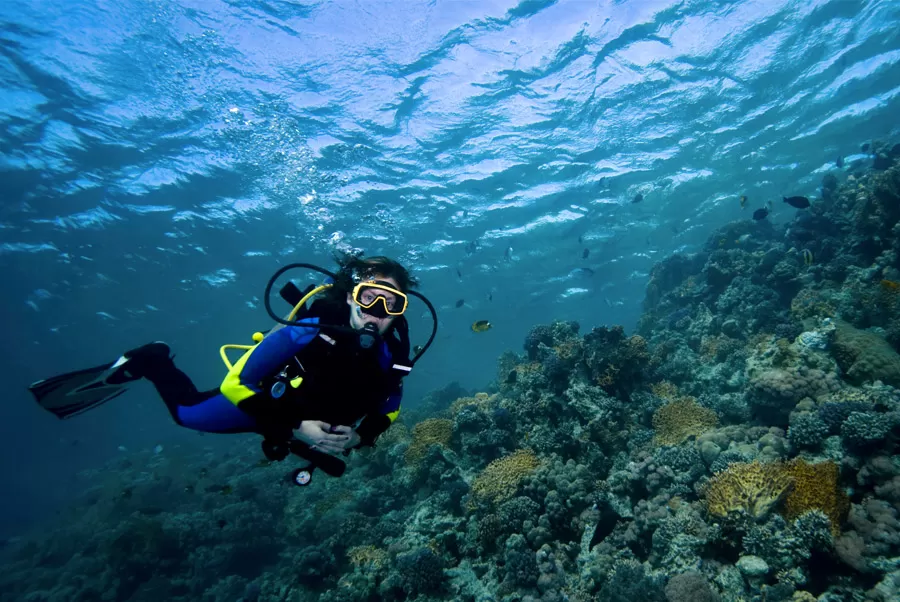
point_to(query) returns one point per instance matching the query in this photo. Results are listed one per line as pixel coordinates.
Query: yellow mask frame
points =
(381, 286)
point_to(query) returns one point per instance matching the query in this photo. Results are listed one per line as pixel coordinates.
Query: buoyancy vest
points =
(342, 382)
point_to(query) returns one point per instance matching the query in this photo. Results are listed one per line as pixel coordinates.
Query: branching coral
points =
(680, 419)
(426, 433)
(753, 488)
(499, 480)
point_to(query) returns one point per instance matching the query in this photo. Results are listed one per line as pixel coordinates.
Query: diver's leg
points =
(207, 411)
(215, 414)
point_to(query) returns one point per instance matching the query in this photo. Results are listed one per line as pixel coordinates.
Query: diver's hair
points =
(353, 268)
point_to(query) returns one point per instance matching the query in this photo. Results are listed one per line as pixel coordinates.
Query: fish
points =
(743, 200)
(126, 493)
(471, 247)
(189, 489)
(585, 253)
(460, 303)
(263, 463)
(760, 214)
(221, 522)
(637, 198)
(580, 239)
(512, 377)
(839, 162)
(581, 273)
(864, 148)
(458, 274)
(417, 349)
(890, 285)
(606, 522)
(800, 202)
(507, 255)
(807, 257)
(490, 296)
(481, 326)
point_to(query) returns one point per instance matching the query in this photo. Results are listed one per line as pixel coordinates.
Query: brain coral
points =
(865, 356)
(680, 419)
(752, 488)
(499, 480)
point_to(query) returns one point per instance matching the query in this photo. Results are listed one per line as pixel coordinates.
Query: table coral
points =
(816, 487)
(753, 488)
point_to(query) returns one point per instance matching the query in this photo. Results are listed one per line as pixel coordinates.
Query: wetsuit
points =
(324, 377)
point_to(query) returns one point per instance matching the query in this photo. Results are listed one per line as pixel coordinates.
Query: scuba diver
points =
(325, 380)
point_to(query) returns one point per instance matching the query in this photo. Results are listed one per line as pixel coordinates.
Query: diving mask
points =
(379, 299)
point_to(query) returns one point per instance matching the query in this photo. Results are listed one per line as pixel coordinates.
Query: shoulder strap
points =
(397, 341)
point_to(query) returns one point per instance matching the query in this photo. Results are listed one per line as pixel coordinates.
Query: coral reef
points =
(742, 445)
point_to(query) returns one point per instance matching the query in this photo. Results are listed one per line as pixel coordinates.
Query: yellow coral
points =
(816, 487)
(608, 378)
(665, 390)
(482, 401)
(569, 350)
(680, 419)
(750, 488)
(425, 434)
(810, 303)
(637, 344)
(499, 480)
(709, 346)
(367, 556)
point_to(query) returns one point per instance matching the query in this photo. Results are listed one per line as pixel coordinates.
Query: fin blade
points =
(72, 393)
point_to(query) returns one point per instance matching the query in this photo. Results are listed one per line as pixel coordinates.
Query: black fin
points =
(69, 394)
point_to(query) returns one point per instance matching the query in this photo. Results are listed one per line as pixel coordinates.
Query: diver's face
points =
(359, 319)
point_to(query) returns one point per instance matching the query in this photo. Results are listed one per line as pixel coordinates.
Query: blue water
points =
(159, 160)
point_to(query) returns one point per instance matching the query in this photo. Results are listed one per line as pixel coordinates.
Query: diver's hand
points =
(318, 436)
(353, 439)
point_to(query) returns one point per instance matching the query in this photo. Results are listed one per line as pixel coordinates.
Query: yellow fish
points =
(743, 201)
(481, 326)
(807, 257)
